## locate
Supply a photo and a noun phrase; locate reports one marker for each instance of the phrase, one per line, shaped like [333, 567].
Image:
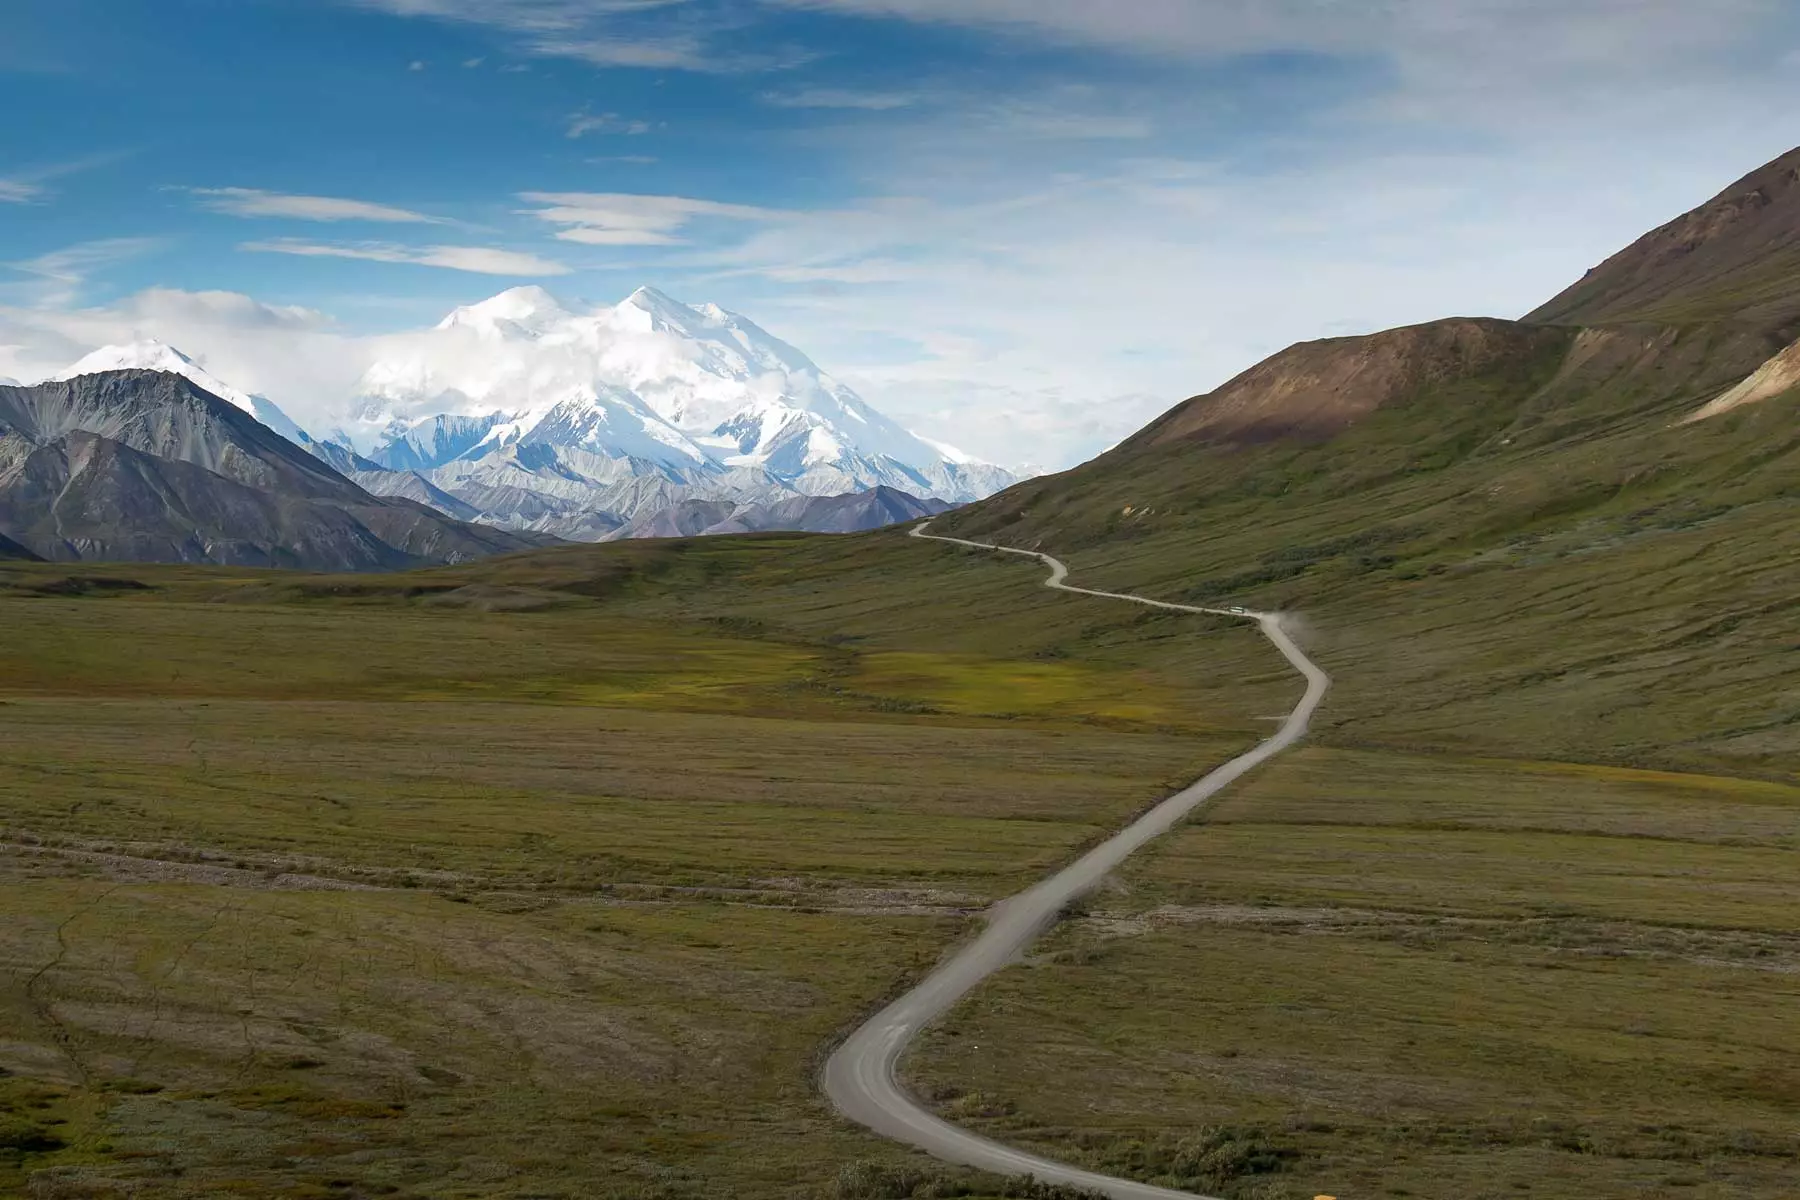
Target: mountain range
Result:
[521, 414]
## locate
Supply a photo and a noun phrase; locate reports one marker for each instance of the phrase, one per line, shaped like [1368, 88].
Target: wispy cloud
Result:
[617, 33]
[528, 16]
[618, 219]
[676, 53]
[32, 184]
[253, 202]
[596, 31]
[480, 260]
[56, 279]
[1213, 27]
[584, 122]
[846, 98]
[1473, 62]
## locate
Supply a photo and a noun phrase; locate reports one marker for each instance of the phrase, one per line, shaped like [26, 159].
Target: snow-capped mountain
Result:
[700, 397]
[155, 356]
[523, 414]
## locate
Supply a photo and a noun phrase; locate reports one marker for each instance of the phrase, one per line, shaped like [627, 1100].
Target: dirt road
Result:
[860, 1078]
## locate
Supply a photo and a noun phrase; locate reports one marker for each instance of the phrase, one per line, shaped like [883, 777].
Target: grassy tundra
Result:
[554, 875]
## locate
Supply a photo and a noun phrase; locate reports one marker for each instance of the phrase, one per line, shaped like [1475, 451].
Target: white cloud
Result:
[253, 202]
[536, 16]
[619, 219]
[1588, 29]
[1047, 428]
[229, 309]
[480, 260]
[822, 97]
[867, 270]
[295, 355]
[415, 65]
[472, 63]
[583, 123]
[668, 53]
[611, 33]
[585, 236]
[14, 191]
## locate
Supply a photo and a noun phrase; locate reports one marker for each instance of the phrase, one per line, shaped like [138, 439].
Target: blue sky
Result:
[1025, 226]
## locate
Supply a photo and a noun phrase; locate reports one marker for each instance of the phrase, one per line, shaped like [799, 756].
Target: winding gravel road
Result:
[860, 1078]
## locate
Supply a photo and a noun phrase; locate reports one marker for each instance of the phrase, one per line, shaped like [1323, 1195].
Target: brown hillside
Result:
[1316, 390]
[1736, 258]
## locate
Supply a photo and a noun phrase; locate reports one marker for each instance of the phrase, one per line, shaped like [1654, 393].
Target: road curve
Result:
[860, 1076]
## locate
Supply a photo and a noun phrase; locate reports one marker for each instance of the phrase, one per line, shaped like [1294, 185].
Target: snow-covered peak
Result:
[147, 355]
[528, 310]
[695, 389]
[152, 355]
[650, 311]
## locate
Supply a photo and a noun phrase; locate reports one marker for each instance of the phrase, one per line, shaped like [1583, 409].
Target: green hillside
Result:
[1504, 537]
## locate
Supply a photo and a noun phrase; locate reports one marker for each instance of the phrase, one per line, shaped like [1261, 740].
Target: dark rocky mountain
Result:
[145, 466]
[689, 518]
[855, 512]
[10, 549]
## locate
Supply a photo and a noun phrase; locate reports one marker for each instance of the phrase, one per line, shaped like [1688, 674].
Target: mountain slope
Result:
[1320, 389]
[10, 549]
[146, 466]
[1490, 520]
[1735, 258]
[856, 512]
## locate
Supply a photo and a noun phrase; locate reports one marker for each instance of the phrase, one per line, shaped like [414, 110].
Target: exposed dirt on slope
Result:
[1779, 375]
[1318, 389]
